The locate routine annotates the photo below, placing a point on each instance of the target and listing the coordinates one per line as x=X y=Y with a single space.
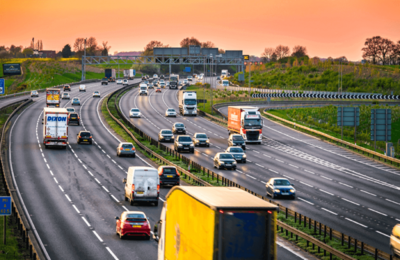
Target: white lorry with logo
x=55 y=127
x=187 y=102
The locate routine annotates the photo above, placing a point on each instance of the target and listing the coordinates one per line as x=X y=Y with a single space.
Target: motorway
x=345 y=191
x=73 y=195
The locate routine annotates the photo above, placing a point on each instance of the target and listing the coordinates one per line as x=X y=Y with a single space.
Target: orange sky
x=326 y=27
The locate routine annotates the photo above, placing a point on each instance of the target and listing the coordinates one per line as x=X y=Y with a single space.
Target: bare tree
x=267 y=54
x=221 y=51
x=148 y=49
x=282 y=51
x=105 y=49
x=91 y=46
x=79 y=44
x=207 y=44
x=299 y=51
x=190 y=41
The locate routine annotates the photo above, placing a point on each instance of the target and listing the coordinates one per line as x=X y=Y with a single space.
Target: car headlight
x=207 y=141
x=221 y=162
x=191 y=145
x=277 y=191
x=179 y=144
x=196 y=141
x=234 y=162
x=292 y=190
x=244 y=156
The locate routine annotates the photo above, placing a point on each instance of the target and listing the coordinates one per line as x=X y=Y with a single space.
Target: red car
x=133 y=223
x=158 y=90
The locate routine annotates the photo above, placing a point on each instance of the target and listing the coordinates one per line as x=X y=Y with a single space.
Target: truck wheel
x=126 y=199
x=131 y=202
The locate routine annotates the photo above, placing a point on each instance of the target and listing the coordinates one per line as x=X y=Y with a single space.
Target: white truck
x=129 y=74
x=224 y=74
x=143 y=89
x=187 y=102
x=224 y=83
x=55 y=127
x=247 y=122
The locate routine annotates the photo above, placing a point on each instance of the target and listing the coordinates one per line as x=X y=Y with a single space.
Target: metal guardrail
x=19 y=215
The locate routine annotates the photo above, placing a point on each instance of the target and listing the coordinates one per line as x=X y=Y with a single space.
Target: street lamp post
x=83 y=62
x=211 y=88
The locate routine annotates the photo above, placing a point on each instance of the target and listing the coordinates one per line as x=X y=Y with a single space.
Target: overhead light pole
x=83 y=61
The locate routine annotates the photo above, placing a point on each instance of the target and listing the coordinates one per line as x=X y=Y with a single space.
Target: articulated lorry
x=216 y=223
x=187 y=102
x=53 y=97
x=173 y=81
x=247 y=122
x=110 y=74
x=129 y=74
x=55 y=127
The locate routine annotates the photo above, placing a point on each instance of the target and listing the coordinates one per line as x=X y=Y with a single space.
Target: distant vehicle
x=225 y=83
x=135 y=112
x=82 y=88
x=104 y=81
x=167 y=84
x=246 y=121
x=194 y=76
x=162 y=85
x=155 y=76
x=170 y=112
x=143 y=89
x=158 y=89
x=147 y=76
x=224 y=161
x=146 y=82
x=224 y=74
x=218 y=78
x=53 y=97
x=165 y=135
x=238 y=220
x=214 y=74
x=84 y=137
x=395 y=241
x=169 y=175
x=75 y=101
x=185 y=82
x=201 y=139
x=55 y=127
x=178 y=128
x=110 y=75
x=125 y=148
x=187 y=101
x=70 y=109
x=142 y=184
x=65 y=95
x=144 y=78
x=119 y=81
x=133 y=223
x=96 y=94
x=237 y=140
x=125 y=82
x=162 y=77
x=151 y=85
x=67 y=88
x=161 y=81
x=183 y=143
x=238 y=153
x=129 y=74
x=190 y=78
x=34 y=93
x=155 y=82
x=173 y=81
x=73 y=118
x=280 y=187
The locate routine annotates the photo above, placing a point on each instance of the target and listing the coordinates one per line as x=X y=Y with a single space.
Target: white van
x=142 y=184
x=82 y=88
x=143 y=89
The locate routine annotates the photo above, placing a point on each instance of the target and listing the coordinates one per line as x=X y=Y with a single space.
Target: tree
x=207 y=44
x=371 y=49
x=27 y=52
x=385 y=47
x=267 y=54
x=282 y=51
x=91 y=46
x=105 y=48
x=274 y=57
x=148 y=50
x=190 y=41
x=79 y=45
x=66 y=51
x=299 y=51
x=221 y=51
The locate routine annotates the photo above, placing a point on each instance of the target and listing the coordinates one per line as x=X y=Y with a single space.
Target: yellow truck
x=216 y=223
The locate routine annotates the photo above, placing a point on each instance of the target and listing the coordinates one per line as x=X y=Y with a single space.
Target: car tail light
x=177 y=173
x=79 y=137
x=133 y=188
x=244 y=131
x=158 y=187
x=90 y=137
x=133 y=149
x=161 y=173
x=121 y=148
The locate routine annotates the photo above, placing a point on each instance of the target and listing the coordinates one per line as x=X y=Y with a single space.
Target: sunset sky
x=326 y=27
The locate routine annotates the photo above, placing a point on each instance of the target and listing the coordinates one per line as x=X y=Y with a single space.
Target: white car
x=167 y=83
x=185 y=82
x=119 y=81
x=125 y=82
x=96 y=94
x=135 y=112
x=170 y=112
x=155 y=76
x=82 y=88
x=65 y=96
x=34 y=93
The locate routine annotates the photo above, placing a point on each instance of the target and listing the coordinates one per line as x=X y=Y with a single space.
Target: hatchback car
x=150 y=85
x=162 y=84
x=238 y=153
x=165 y=135
x=178 y=128
x=184 y=143
x=96 y=94
x=158 y=89
x=190 y=78
x=236 y=140
x=133 y=223
x=125 y=82
x=119 y=81
x=224 y=160
x=169 y=175
x=155 y=76
x=395 y=241
x=73 y=118
x=280 y=187
x=185 y=82
x=201 y=139
x=84 y=137
x=82 y=88
x=162 y=77
x=65 y=95
x=34 y=93
x=67 y=88
x=170 y=112
x=144 y=78
x=75 y=101
x=135 y=112
x=70 y=109
x=125 y=148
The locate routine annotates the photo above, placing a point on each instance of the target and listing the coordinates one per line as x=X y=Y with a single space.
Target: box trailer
x=247 y=122
x=55 y=127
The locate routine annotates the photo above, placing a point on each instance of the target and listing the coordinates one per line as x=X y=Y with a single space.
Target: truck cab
x=143 y=90
x=187 y=102
x=247 y=122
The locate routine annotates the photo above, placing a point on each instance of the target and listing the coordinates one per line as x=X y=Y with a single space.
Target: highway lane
x=333 y=198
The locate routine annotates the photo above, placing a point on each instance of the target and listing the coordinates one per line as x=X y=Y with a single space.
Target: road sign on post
x=349 y=116
x=381 y=125
x=5 y=210
x=2 y=87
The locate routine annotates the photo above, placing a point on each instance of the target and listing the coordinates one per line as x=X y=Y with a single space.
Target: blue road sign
x=5 y=206
x=381 y=125
x=350 y=115
x=2 y=87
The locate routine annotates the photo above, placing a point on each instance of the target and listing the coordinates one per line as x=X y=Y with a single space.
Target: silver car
x=34 y=93
x=165 y=135
x=65 y=95
x=135 y=112
x=170 y=112
x=125 y=148
x=201 y=139
x=238 y=154
x=280 y=187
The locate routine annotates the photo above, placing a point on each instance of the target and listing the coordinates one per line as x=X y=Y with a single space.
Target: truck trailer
x=53 y=97
x=216 y=223
x=247 y=122
x=187 y=102
x=110 y=74
x=55 y=127
x=129 y=74
x=224 y=74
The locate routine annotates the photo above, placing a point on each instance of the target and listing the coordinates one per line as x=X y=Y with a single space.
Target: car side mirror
x=77 y=134
x=155 y=233
x=116 y=218
x=292 y=184
x=124 y=180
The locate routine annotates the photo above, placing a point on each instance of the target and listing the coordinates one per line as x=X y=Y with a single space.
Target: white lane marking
x=48 y=166
x=45 y=160
x=112 y=196
x=351 y=201
x=77 y=210
x=125 y=208
x=68 y=198
x=111 y=252
x=87 y=223
x=108 y=156
x=306 y=201
x=259 y=165
x=264 y=182
x=326 y=177
x=105 y=189
x=251 y=176
x=309 y=185
x=279 y=160
x=51 y=173
x=355 y=222
x=103 y=151
x=293 y=166
x=98 y=237
x=272 y=171
x=97 y=180
x=120 y=167
x=383 y=214
x=239 y=171
x=344 y=184
x=84 y=167
x=162 y=200
x=327 y=192
x=309 y=171
x=382 y=233
x=393 y=201
x=288 y=177
x=291 y=251
x=329 y=211
x=90 y=173
x=55 y=180
x=267 y=156
x=61 y=188
x=256 y=151
x=369 y=193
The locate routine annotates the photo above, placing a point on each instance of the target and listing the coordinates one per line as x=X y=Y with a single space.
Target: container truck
x=110 y=75
x=129 y=74
x=55 y=127
x=216 y=223
x=173 y=81
x=224 y=74
x=246 y=121
x=187 y=102
x=53 y=97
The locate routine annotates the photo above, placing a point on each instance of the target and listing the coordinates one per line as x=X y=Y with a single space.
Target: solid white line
x=125 y=208
x=326 y=177
x=351 y=201
x=68 y=198
x=383 y=214
x=105 y=189
x=77 y=210
x=344 y=184
x=61 y=188
x=309 y=185
x=355 y=222
x=87 y=223
x=382 y=233
x=109 y=250
x=288 y=177
x=115 y=198
x=94 y=232
x=393 y=201
x=251 y=177
x=306 y=201
x=327 y=192
x=329 y=211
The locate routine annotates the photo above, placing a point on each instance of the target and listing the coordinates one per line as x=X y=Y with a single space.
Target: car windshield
x=252 y=122
x=190 y=101
x=169 y=170
x=127 y=145
x=185 y=139
x=76 y=99
x=171 y=110
x=189 y=77
x=179 y=125
x=65 y=94
x=96 y=92
x=74 y=115
x=135 y=110
x=70 y=109
x=34 y=92
x=167 y=132
x=237 y=138
x=225 y=156
x=85 y=134
x=281 y=183
x=142 y=88
x=236 y=150
x=135 y=217
x=201 y=136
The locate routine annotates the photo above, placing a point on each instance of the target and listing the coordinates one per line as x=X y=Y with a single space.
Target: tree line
x=378 y=50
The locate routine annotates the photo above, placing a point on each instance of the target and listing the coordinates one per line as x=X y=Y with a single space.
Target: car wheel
x=147 y=237
x=116 y=231
x=126 y=198
x=121 y=236
x=293 y=197
x=134 y=156
x=79 y=142
x=117 y=154
x=156 y=203
x=244 y=161
x=131 y=202
x=273 y=196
